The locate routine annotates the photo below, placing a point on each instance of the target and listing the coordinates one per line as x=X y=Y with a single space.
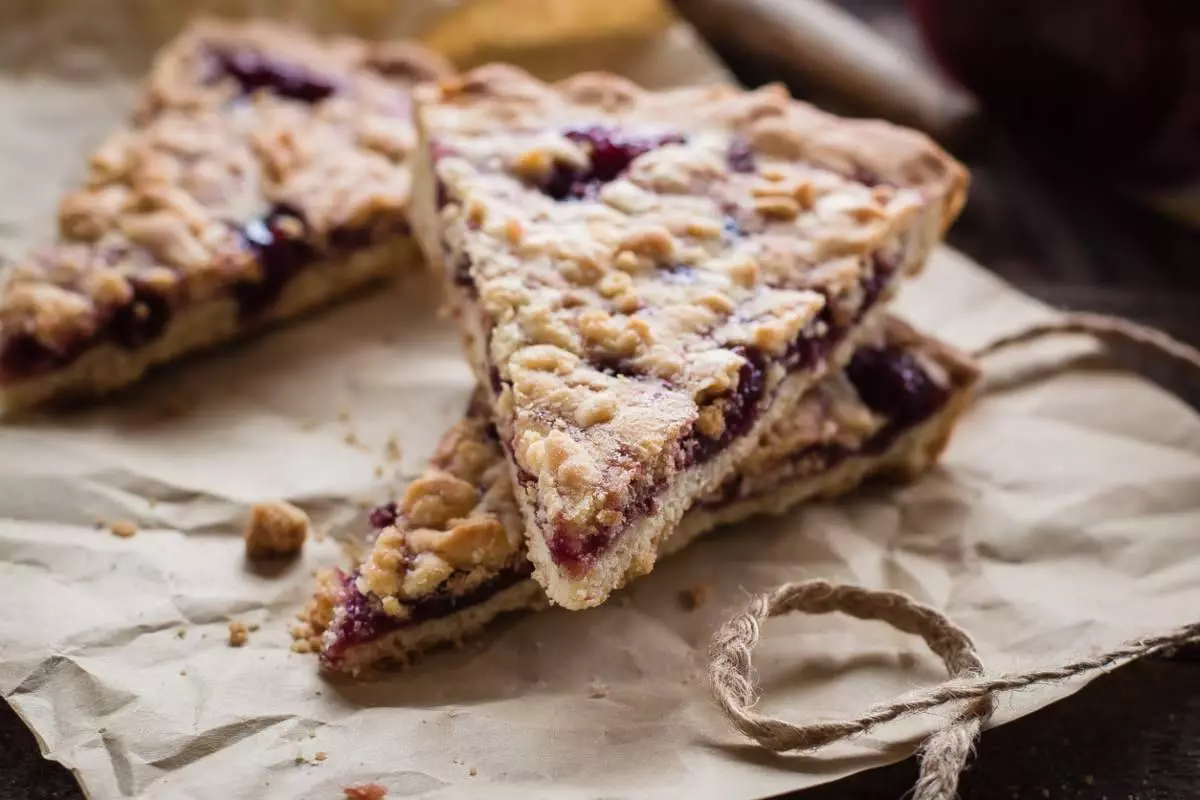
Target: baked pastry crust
x=451 y=555
x=645 y=281
x=264 y=173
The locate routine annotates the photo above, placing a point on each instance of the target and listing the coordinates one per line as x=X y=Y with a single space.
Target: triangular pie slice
x=450 y=556
x=264 y=173
x=647 y=281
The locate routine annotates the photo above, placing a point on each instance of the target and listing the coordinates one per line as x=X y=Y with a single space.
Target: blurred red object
x=1111 y=85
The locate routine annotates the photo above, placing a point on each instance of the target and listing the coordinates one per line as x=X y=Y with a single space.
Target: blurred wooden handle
x=836 y=54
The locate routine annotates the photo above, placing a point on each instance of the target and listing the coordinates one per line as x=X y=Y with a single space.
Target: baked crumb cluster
x=253 y=152
x=274 y=530
x=455 y=528
x=647 y=267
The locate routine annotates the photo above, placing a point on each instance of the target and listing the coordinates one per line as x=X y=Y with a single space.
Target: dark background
x=1131 y=735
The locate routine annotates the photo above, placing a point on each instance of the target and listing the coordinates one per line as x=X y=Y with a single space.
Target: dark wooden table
x=1132 y=735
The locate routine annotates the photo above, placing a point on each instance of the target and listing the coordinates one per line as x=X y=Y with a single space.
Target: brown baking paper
x=1063 y=519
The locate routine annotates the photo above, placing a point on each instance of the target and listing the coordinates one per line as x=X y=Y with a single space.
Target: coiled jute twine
x=944 y=753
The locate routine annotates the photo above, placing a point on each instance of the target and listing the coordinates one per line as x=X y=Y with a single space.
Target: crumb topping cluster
x=454 y=529
x=637 y=259
x=253 y=150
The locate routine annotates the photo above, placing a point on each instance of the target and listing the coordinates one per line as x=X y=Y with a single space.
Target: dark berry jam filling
x=254 y=70
x=576 y=554
x=278 y=243
x=142 y=320
x=893 y=384
x=384 y=516
x=740 y=156
x=364 y=621
x=610 y=154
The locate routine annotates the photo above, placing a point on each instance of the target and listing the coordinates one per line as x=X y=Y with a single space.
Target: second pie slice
x=647 y=281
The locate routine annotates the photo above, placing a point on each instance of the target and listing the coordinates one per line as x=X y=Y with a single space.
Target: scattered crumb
x=123 y=528
x=301 y=646
x=695 y=596
x=275 y=529
x=299 y=760
x=365 y=791
x=309 y=425
x=351 y=439
x=391 y=449
x=239 y=634
x=151 y=503
x=320 y=756
x=100 y=522
x=183 y=672
x=472 y=772
x=379 y=471
x=344 y=415
x=597 y=689
x=182 y=632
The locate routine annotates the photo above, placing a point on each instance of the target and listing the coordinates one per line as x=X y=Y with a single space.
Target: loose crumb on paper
x=123 y=528
x=276 y=529
x=695 y=596
x=320 y=756
x=239 y=634
x=472 y=772
x=365 y=791
x=391 y=450
x=597 y=689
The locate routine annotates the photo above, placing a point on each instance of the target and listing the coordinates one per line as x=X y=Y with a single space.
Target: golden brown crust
x=626 y=255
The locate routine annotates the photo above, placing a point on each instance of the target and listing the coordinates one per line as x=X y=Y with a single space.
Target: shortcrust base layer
x=108 y=367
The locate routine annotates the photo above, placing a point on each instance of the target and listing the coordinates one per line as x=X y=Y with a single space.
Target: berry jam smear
x=610 y=154
x=254 y=71
x=364 y=622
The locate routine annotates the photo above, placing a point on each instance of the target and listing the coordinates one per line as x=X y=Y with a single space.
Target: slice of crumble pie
x=646 y=282
x=265 y=173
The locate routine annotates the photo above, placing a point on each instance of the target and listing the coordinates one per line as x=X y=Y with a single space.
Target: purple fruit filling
x=364 y=622
x=740 y=156
x=384 y=516
x=254 y=70
x=610 y=154
x=893 y=384
x=277 y=241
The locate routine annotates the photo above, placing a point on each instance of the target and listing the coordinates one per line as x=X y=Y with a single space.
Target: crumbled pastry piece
x=264 y=172
x=889 y=413
x=124 y=528
x=646 y=281
x=695 y=596
x=365 y=791
x=597 y=689
x=275 y=530
x=239 y=633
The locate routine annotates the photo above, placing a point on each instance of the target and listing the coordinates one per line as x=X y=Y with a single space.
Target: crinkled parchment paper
x=1063 y=519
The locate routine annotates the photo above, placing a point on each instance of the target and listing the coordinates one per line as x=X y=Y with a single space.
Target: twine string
x=944 y=753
